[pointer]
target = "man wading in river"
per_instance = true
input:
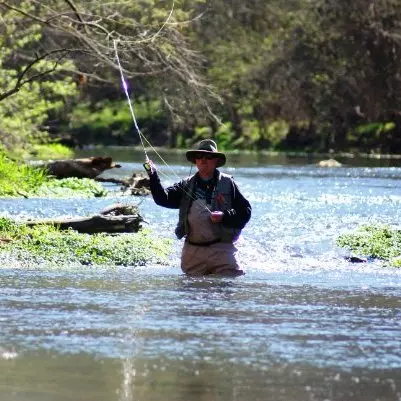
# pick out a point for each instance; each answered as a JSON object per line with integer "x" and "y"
{"x": 212, "y": 212}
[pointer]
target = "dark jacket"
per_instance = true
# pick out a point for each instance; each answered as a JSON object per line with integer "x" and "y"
{"x": 236, "y": 217}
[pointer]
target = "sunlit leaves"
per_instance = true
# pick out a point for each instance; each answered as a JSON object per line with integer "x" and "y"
{"x": 22, "y": 115}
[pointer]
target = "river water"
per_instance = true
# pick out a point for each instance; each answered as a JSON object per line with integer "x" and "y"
{"x": 303, "y": 324}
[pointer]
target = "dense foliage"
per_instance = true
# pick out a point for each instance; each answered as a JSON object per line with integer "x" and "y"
{"x": 377, "y": 241}
{"x": 255, "y": 74}
{"x": 51, "y": 246}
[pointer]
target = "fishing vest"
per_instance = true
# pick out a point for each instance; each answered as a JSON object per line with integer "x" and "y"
{"x": 221, "y": 200}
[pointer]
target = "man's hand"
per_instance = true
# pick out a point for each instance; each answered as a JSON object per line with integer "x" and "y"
{"x": 217, "y": 217}
{"x": 149, "y": 167}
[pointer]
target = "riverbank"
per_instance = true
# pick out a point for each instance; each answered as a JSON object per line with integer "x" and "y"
{"x": 242, "y": 158}
{"x": 30, "y": 245}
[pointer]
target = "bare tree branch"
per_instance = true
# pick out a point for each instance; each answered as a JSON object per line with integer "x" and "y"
{"x": 72, "y": 5}
{"x": 153, "y": 48}
{"x": 31, "y": 16}
{"x": 20, "y": 79}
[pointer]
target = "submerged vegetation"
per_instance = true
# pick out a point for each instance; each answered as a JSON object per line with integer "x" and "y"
{"x": 374, "y": 241}
{"x": 70, "y": 187}
{"x": 45, "y": 244}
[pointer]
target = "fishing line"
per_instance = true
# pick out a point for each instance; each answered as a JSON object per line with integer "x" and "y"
{"x": 141, "y": 135}
{"x": 125, "y": 87}
{"x": 165, "y": 23}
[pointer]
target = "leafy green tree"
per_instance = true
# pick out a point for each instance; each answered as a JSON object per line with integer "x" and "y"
{"x": 237, "y": 39}
{"x": 29, "y": 93}
{"x": 150, "y": 38}
{"x": 337, "y": 67}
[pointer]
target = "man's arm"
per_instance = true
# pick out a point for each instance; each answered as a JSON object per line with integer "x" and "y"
{"x": 241, "y": 211}
{"x": 169, "y": 197}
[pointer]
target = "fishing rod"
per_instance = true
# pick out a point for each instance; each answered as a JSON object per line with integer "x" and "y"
{"x": 147, "y": 164}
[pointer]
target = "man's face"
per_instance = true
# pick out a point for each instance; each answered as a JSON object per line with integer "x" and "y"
{"x": 206, "y": 164}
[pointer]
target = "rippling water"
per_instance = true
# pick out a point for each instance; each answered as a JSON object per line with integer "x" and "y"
{"x": 302, "y": 324}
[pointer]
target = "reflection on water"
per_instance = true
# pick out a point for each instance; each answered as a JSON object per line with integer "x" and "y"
{"x": 302, "y": 324}
{"x": 52, "y": 377}
{"x": 155, "y": 334}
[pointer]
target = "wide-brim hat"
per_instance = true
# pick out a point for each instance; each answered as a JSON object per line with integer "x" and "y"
{"x": 207, "y": 146}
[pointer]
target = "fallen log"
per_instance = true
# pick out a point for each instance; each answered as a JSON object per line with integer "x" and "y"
{"x": 89, "y": 167}
{"x": 117, "y": 218}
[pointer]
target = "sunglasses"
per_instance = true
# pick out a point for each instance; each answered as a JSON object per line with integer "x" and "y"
{"x": 200, "y": 156}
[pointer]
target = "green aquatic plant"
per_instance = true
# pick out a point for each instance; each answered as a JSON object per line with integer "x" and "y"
{"x": 70, "y": 187}
{"x": 45, "y": 244}
{"x": 374, "y": 241}
{"x": 9, "y": 229}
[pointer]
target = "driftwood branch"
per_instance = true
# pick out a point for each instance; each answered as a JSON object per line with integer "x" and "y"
{"x": 95, "y": 224}
{"x": 118, "y": 218}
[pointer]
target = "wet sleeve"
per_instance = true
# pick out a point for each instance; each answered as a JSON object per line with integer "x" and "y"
{"x": 167, "y": 197}
{"x": 239, "y": 215}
